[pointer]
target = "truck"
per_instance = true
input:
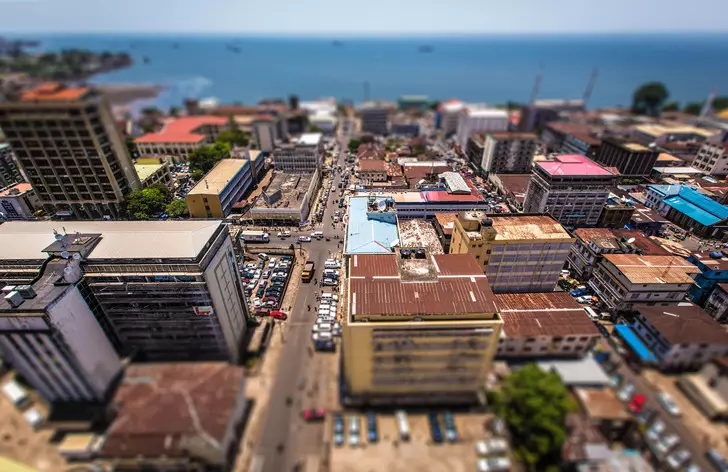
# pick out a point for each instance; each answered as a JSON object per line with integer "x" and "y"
{"x": 255, "y": 236}
{"x": 308, "y": 271}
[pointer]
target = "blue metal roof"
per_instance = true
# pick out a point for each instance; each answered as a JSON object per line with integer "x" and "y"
{"x": 369, "y": 235}
{"x": 697, "y": 206}
{"x": 635, "y": 343}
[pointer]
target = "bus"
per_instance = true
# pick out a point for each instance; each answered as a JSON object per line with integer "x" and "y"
{"x": 255, "y": 236}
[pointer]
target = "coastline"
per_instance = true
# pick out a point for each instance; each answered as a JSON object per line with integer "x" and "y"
{"x": 126, "y": 94}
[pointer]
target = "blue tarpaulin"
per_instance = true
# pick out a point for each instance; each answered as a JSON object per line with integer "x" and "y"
{"x": 635, "y": 343}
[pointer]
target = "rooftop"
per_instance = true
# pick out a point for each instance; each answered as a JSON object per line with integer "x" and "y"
{"x": 697, "y": 206}
{"x": 451, "y": 106}
{"x": 641, "y": 269}
{"x": 54, "y": 92}
{"x": 576, "y": 372}
{"x": 508, "y": 135}
{"x": 171, "y": 409}
{"x": 419, "y": 233}
{"x": 485, "y": 112}
{"x": 656, "y": 130}
{"x": 309, "y": 139}
{"x": 685, "y": 324}
{"x": 710, "y": 262}
{"x": 215, "y": 181}
{"x": 284, "y": 191}
{"x": 119, "y": 239}
{"x": 370, "y": 231}
{"x": 447, "y": 221}
{"x": 601, "y": 404}
{"x": 565, "y": 127}
{"x": 372, "y": 165}
{"x": 182, "y": 130}
{"x": 543, "y": 314}
{"x": 144, "y": 171}
{"x": 572, "y": 165}
{"x": 16, "y": 190}
{"x": 455, "y": 286}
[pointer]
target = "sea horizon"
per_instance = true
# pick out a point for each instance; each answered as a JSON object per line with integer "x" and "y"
{"x": 486, "y": 68}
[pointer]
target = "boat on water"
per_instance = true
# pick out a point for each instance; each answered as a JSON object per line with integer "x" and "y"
{"x": 233, "y": 48}
{"x": 146, "y": 60}
{"x": 426, "y": 48}
{"x": 336, "y": 42}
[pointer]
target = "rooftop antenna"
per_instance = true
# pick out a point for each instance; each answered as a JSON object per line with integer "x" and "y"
{"x": 536, "y": 85}
{"x": 590, "y": 86}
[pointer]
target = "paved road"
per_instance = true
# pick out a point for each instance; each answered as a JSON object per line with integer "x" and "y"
{"x": 285, "y": 438}
{"x": 674, "y": 425}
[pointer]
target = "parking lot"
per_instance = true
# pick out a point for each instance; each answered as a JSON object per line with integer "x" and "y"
{"x": 418, "y": 454}
{"x": 265, "y": 281}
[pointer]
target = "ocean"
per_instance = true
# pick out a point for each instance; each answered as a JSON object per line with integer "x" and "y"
{"x": 491, "y": 69}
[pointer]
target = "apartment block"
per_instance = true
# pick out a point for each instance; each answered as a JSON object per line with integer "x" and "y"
{"x": 417, "y": 330}
{"x": 571, "y": 188}
{"x": 375, "y": 117}
{"x": 70, "y": 149}
{"x": 550, "y": 324}
{"x": 159, "y": 290}
{"x": 520, "y": 253}
{"x": 265, "y": 130}
{"x": 372, "y": 170}
{"x": 624, "y": 282}
{"x": 448, "y": 116}
{"x": 717, "y": 303}
{"x": 478, "y": 118}
{"x": 220, "y": 189}
{"x": 581, "y": 143}
{"x": 303, "y": 156}
{"x": 631, "y": 159}
{"x": 508, "y": 152}
{"x": 681, "y": 337}
{"x": 9, "y": 170}
{"x": 154, "y": 174}
{"x": 593, "y": 243}
{"x": 712, "y": 158}
{"x": 708, "y": 389}
{"x": 689, "y": 208}
{"x": 617, "y": 212}
{"x": 181, "y": 136}
{"x": 18, "y": 202}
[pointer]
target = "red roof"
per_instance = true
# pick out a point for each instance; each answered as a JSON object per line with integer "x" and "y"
{"x": 53, "y": 91}
{"x": 573, "y": 164}
{"x": 444, "y": 196}
{"x": 182, "y": 130}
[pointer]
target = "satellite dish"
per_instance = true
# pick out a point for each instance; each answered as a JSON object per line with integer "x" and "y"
{"x": 76, "y": 256}
{"x": 67, "y": 270}
{"x": 630, "y": 240}
{"x": 65, "y": 254}
{"x": 58, "y": 236}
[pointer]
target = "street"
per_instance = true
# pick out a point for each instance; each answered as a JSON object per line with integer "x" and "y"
{"x": 286, "y": 439}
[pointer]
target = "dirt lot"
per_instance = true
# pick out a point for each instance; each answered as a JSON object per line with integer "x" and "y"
{"x": 706, "y": 431}
{"x": 419, "y": 454}
{"x": 20, "y": 443}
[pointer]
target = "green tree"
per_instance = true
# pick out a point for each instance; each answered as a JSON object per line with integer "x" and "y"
{"x": 177, "y": 208}
{"x": 720, "y": 103}
{"x": 233, "y": 137}
{"x": 648, "y": 98}
{"x": 131, "y": 147}
{"x": 314, "y": 129}
{"x": 174, "y": 111}
{"x": 197, "y": 174}
{"x": 534, "y": 404}
{"x": 433, "y": 105}
{"x": 148, "y": 202}
{"x": 205, "y": 157}
{"x": 354, "y": 144}
{"x": 693, "y": 108}
{"x": 671, "y": 106}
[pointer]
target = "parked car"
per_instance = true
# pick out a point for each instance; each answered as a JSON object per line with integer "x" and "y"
{"x": 579, "y": 292}
{"x": 330, "y": 282}
{"x": 372, "y": 430}
{"x": 627, "y": 392}
{"x": 645, "y": 416}
{"x": 656, "y": 430}
{"x": 717, "y": 460}
{"x": 637, "y": 404}
{"x": 304, "y": 239}
{"x": 494, "y": 464}
{"x": 668, "y": 403}
{"x": 279, "y": 315}
{"x": 678, "y": 458}
{"x": 314, "y": 414}
{"x": 451, "y": 432}
{"x": 491, "y": 446}
{"x": 587, "y": 299}
{"x": 435, "y": 430}
{"x": 667, "y": 443}
{"x": 338, "y": 430}
{"x": 353, "y": 430}
{"x": 615, "y": 380}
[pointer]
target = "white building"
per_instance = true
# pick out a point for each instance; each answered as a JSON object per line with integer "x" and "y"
{"x": 304, "y": 155}
{"x": 181, "y": 136}
{"x": 681, "y": 337}
{"x": 712, "y": 158}
{"x": 265, "y": 130}
{"x": 450, "y": 112}
{"x": 18, "y": 202}
{"x": 474, "y": 118}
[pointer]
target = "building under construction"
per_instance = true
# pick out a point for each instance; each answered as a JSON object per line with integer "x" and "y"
{"x": 160, "y": 291}
{"x": 287, "y": 200}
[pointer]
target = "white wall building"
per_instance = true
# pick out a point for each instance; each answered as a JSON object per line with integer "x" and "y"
{"x": 304, "y": 155}
{"x": 712, "y": 158}
{"x": 474, "y": 118}
{"x": 450, "y": 112}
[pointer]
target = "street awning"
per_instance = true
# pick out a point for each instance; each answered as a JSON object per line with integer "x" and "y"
{"x": 635, "y": 343}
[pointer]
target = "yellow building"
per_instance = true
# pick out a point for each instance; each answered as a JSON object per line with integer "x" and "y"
{"x": 222, "y": 187}
{"x": 417, "y": 330}
{"x": 518, "y": 253}
{"x": 151, "y": 174}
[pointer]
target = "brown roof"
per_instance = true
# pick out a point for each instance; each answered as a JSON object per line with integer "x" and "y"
{"x": 685, "y": 324}
{"x": 641, "y": 269}
{"x": 54, "y": 91}
{"x": 647, "y": 246}
{"x": 506, "y": 135}
{"x": 446, "y": 221}
{"x": 163, "y": 408}
{"x": 589, "y": 234}
{"x": 587, "y": 138}
{"x": 599, "y": 404}
{"x": 543, "y": 314}
{"x": 372, "y": 164}
{"x": 712, "y": 264}
{"x": 515, "y": 183}
{"x": 457, "y": 285}
{"x": 417, "y": 173}
{"x": 564, "y": 127}
{"x": 582, "y": 432}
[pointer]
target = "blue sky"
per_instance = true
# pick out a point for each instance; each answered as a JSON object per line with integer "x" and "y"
{"x": 363, "y": 17}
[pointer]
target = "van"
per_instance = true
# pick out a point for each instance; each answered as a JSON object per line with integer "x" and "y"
{"x": 402, "y": 425}
{"x": 331, "y": 272}
{"x": 325, "y": 295}
{"x": 591, "y": 313}
{"x": 332, "y": 265}
{"x": 16, "y": 394}
{"x": 317, "y": 234}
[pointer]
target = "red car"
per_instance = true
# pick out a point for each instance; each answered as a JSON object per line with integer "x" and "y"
{"x": 314, "y": 414}
{"x": 279, "y": 315}
{"x": 637, "y": 404}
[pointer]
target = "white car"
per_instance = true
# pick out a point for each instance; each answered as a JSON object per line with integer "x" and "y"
{"x": 668, "y": 403}
{"x": 656, "y": 430}
{"x": 627, "y": 392}
{"x": 284, "y": 234}
{"x": 353, "y": 430}
{"x": 678, "y": 458}
{"x": 323, "y": 327}
{"x": 585, "y": 299}
{"x": 304, "y": 239}
{"x": 667, "y": 443}
{"x": 324, "y": 336}
{"x": 494, "y": 464}
{"x": 491, "y": 446}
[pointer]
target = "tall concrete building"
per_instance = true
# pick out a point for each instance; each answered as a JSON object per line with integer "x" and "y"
{"x": 159, "y": 290}
{"x": 303, "y": 156}
{"x": 571, "y": 188}
{"x": 181, "y": 136}
{"x": 9, "y": 171}
{"x": 448, "y": 116}
{"x": 520, "y": 253}
{"x": 503, "y": 152}
{"x": 220, "y": 189}
{"x": 712, "y": 158}
{"x": 375, "y": 117}
{"x": 70, "y": 149}
{"x": 417, "y": 330}
{"x": 478, "y": 118}
{"x": 631, "y": 159}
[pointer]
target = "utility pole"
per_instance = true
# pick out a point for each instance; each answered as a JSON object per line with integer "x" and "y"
{"x": 590, "y": 86}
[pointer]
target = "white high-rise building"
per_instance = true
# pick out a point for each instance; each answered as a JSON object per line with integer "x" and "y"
{"x": 479, "y": 118}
